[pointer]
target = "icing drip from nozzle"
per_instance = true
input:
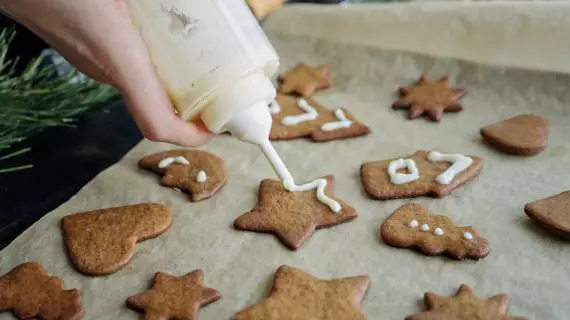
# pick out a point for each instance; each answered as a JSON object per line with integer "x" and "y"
{"x": 289, "y": 183}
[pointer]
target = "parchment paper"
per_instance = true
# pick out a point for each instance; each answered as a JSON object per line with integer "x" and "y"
{"x": 526, "y": 262}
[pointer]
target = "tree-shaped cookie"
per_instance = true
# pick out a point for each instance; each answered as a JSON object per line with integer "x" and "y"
{"x": 421, "y": 174}
{"x": 413, "y": 226}
{"x": 199, "y": 173}
{"x": 465, "y": 306}
{"x": 298, "y": 117}
{"x": 299, "y": 295}
{"x": 430, "y": 98}
{"x": 174, "y": 298}
{"x": 101, "y": 242}
{"x": 293, "y": 216}
{"x": 304, "y": 80}
{"x": 29, "y": 293}
{"x": 523, "y": 135}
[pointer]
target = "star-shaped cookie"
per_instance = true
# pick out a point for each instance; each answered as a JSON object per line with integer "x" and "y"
{"x": 199, "y": 173}
{"x": 299, "y": 295}
{"x": 292, "y": 216}
{"x": 465, "y": 305}
{"x": 431, "y": 98}
{"x": 297, "y": 117}
{"x": 173, "y": 298}
{"x": 304, "y": 80}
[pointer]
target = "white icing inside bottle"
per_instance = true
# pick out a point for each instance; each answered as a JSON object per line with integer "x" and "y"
{"x": 166, "y": 162}
{"x": 401, "y": 178}
{"x": 289, "y": 182}
{"x": 310, "y": 114}
{"x": 459, "y": 163}
{"x": 274, "y": 107}
{"x": 342, "y": 122}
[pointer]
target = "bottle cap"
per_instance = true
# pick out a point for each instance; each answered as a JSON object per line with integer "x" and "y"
{"x": 242, "y": 109}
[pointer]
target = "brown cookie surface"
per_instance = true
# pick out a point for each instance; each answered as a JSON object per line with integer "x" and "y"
{"x": 412, "y": 225}
{"x": 430, "y": 98}
{"x": 292, "y": 216}
{"x": 199, "y": 173}
{"x": 299, "y": 295}
{"x": 378, "y": 183}
{"x": 101, "y": 242}
{"x": 29, "y": 293}
{"x": 174, "y": 297}
{"x": 522, "y": 135}
{"x": 324, "y": 125}
{"x": 304, "y": 80}
{"x": 465, "y": 305}
{"x": 553, "y": 213}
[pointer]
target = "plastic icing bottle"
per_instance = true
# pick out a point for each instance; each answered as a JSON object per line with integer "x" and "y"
{"x": 214, "y": 60}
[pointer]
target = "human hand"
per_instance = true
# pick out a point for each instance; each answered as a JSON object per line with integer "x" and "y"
{"x": 98, "y": 38}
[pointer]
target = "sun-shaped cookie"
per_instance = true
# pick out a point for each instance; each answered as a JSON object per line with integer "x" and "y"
{"x": 430, "y": 98}
{"x": 465, "y": 305}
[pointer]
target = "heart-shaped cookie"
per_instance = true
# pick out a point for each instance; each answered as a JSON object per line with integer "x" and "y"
{"x": 522, "y": 135}
{"x": 101, "y": 242}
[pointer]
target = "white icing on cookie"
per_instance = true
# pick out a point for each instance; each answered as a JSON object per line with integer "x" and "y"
{"x": 289, "y": 182}
{"x": 424, "y": 227}
{"x": 342, "y": 122}
{"x": 401, "y": 178}
{"x": 320, "y": 185}
{"x": 468, "y": 236}
{"x": 413, "y": 224}
{"x": 201, "y": 177}
{"x": 310, "y": 114}
{"x": 459, "y": 163}
{"x": 274, "y": 107}
{"x": 166, "y": 162}
{"x": 438, "y": 232}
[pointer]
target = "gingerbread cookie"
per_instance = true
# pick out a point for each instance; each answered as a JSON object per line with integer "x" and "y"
{"x": 29, "y": 292}
{"x": 297, "y": 117}
{"x": 421, "y": 174}
{"x": 522, "y": 135}
{"x": 304, "y": 80}
{"x": 465, "y": 305}
{"x": 412, "y": 225}
{"x": 553, "y": 213}
{"x": 199, "y": 173}
{"x": 299, "y": 295}
{"x": 294, "y": 216}
{"x": 101, "y": 242}
{"x": 430, "y": 98}
{"x": 174, "y": 297}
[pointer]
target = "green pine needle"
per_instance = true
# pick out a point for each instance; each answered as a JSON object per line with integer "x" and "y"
{"x": 36, "y": 99}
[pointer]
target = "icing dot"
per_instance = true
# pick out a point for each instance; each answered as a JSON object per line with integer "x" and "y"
{"x": 468, "y": 236}
{"x": 424, "y": 227}
{"x": 438, "y": 232}
{"x": 201, "y": 177}
{"x": 413, "y": 224}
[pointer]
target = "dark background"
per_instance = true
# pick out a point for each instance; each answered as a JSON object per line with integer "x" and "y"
{"x": 64, "y": 159}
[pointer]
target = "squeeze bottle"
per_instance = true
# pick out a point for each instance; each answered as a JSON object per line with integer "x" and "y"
{"x": 215, "y": 62}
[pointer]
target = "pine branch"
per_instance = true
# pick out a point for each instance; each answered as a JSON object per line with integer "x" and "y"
{"x": 38, "y": 99}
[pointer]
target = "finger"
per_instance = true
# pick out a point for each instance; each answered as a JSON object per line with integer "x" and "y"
{"x": 145, "y": 96}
